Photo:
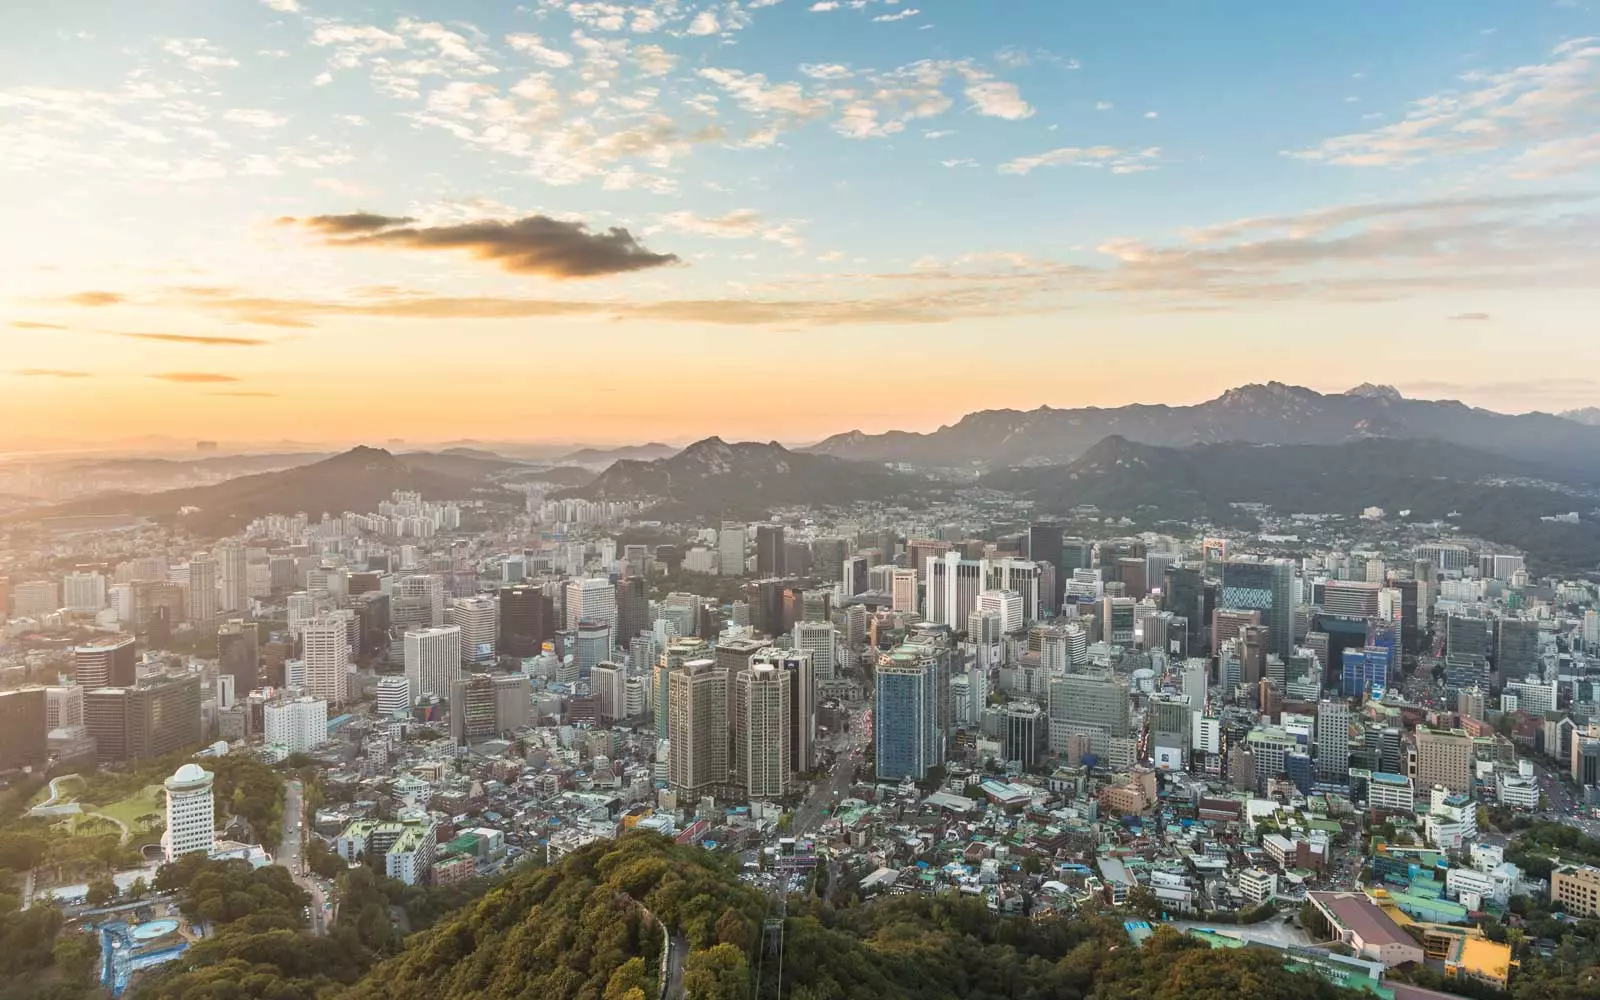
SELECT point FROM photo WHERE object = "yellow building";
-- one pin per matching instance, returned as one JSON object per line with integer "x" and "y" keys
{"x": 1577, "y": 889}
{"x": 1467, "y": 954}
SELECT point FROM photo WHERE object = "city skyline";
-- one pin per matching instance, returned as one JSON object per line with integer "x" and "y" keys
{"x": 270, "y": 220}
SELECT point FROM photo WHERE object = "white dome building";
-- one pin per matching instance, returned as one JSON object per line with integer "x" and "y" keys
{"x": 191, "y": 813}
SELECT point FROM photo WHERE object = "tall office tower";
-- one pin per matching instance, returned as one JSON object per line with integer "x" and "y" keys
{"x": 326, "y": 651}
{"x": 108, "y": 663}
{"x": 1005, "y": 605}
{"x": 903, "y": 591}
{"x": 1444, "y": 757}
{"x": 697, "y": 728}
{"x": 765, "y": 700}
{"x": 1466, "y": 634}
{"x": 920, "y": 550}
{"x": 1411, "y": 621}
{"x": 592, "y": 644}
{"x": 1196, "y": 683}
{"x": 24, "y": 728}
{"x": 1226, "y": 624}
{"x": 633, "y": 608}
{"x": 1044, "y": 546}
{"x": 953, "y": 587}
{"x": 1171, "y": 722}
{"x": 854, "y": 577}
{"x": 1076, "y": 554}
{"x": 433, "y": 660}
{"x": 235, "y": 571}
{"x": 395, "y": 697}
{"x": 591, "y": 600}
{"x": 1351, "y": 598}
{"x": 1517, "y": 648}
{"x": 818, "y": 639}
{"x": 239, "y": 654}
{"x": 478, "y": 618}
{"x": 1019, "y": 576}
{"x": 191, "y": 813}
{"x": 63, "y": 707}
{"x": 83, "y": 592}
{"x": 1053, "y": 655}
{"x": 299, "y": 725}
{"x": 1116, "y": 619}
{"x": 802, "y": 730}
{"x": 1023, "y": 734}
{"x": 202, "y": 588}
{"x": 1131, "y": 570}
{"x": 770, "y": 554}
{"x": 816, "y": 605}
{"x": 730, "y": 548}
{"x": 1252, "y": 654}
{"x": 424, "y": 591}
{"x": 150, "y": 719}
{"x": 1333, "y": 741}
{"x": 1089, "y": 705}
{"x": 905, "y": 716}
{"x": 527, "y": 620}
{"x": 484, "y": 706}
{"x": 607, "y": 683}
{"x": 1267, "y": 587}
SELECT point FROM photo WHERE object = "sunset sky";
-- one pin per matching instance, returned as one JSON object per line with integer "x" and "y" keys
{"x": 252, "y": 220}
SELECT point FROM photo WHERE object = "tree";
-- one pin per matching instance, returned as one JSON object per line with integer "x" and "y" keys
{"x": 78, "y": 958}
{"x": 718, "y": 973}
{"x": 102, "y": 890}
{"x": 139, "y": 889}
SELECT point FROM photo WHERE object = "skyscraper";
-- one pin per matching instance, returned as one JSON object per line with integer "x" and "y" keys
{"x": 905, "y": 716}
{"x": 802, "y": 702}
{"x": 591, "y": 600}
{"x": 818, "y": 639}
{"x": 1517, "y": 648}
{"x": 202, "y": 588}
{"x": 83, "y": 591}
{"x": 697, "y": 728}
{"x": 1267, "y": 587}
{"x": 426, "y": 592}
{"x": 23, "y": 728}
{"x": 239, "y": 654}
{"x": 903, "y": 590}
{"x": 730, "y": 548}
{"x": 478, "y": 618}
{"x": 326, "y": 651}
{"x": 1444, "y": 757}
{"x": 527, "y": 620}
{"x": 765, "y": 694}
{"x": 153, "y": 718}
{"x": 235, "y": 569}
{"x": 1044, "y": 546}
{"x": 953, "y": 587}
{"x": 432, "y": 660}
{"x": 633, "y": 609}
{"x": 1333, "y": 741}
{"x": 108, "y": 663}
{"x": 769, "y": 550}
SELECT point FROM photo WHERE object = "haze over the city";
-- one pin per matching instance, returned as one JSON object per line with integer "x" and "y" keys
{"x": 604, "y": 222}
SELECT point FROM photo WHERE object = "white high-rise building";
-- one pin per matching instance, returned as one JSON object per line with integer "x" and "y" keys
{"x": 903, "y": 590}
{"x": 191, "y": 813}
{"x": 1018, "y": 576}
{"x": 478, "y": 618}
{"x": 235, "y": 576}
{"x": 1591, "y": 630}
{"x": 394, "y": 696}
{"x": 608, "y": 683}
{"x": 326, "y": 644}
{"x": 298, "y": 726}
{"x": 63, "y": 707}
{"x": 83, "y": 592}
{"x": 302, "y": 608}
{"x": 730, "y": 548}
{"x": 818, "y": 639}
{"x": 426, "y": 588}
{"x": 1007, "y": 604}
{"x": 202, "y": 588}
{"x": 591, "y": 600}
{"x": 953, "y": 587}
{"x": 433, "y": 660}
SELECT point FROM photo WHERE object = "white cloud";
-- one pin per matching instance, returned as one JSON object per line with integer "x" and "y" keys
{"x": 284, "y": 6}
{"x": 254, "y": 117}
{"x": 534, "y": 46}
{"x": 1103, "y": 105}
{"x": 339, "y": 187}
{"x": 1533, "y": 105}
{"x": 600, "y": 16}
{"x": 898, "y": 15}
{"x": 355, "y": 120}
{"x": 938, "y": 133}
{"x": 199, "y": 54}
{"x": 1118, "y": 161}
{"x": 1152, "y": 114}
{"x": 962, "y": 162}
{"x": 450, "y": 45}
{"x": 826, "y": 71}
{"x": 995, "y": 98}
{"x": 705, "y": 23}
{"x": 653, "y": 60}
{"x": 757, "y": 96}
{"x": 744, "y": 223}
{"x": 825, "y": 5}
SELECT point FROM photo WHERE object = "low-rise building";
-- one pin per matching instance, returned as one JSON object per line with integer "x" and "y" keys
{"x": 1577, "y": 889}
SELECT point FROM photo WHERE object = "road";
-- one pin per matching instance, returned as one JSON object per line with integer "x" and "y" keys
{"x": 825, "y": 794}
{"x": 1560, "y": 804}
{"x": 289, "y": 855}
{"x": 677, "y": 951}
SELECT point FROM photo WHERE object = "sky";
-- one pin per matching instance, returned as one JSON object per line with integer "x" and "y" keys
{"x": 316, "y": 220}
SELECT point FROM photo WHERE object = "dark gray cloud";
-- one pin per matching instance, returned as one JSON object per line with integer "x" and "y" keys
{"x": 534, "y": 244}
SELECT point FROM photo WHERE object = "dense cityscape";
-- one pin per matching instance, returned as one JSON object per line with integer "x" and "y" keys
{"x": 1345, "y": 738}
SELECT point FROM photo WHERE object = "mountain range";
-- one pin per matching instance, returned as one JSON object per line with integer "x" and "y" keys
{"x": 605, "y": 456}
{"x": 1273, "y": 413}
{"x": 713, "y": 477}
{"x": 354, "y": 480}
{"x": 1483, "y": 494}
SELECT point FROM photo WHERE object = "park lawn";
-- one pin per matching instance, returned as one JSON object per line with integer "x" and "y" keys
{"x": 71, "y": 787}
{"x": 149, "y": 800}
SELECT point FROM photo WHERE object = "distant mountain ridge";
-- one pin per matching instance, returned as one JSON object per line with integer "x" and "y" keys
{"x": 604, "y": 456}
{"x": 1273, "y": 413}
{"x": 1483, "y": 494}
{"x": 1589, "y": 415}
{"x": 358, "y": 480}
{"x": 713, "y": 476}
